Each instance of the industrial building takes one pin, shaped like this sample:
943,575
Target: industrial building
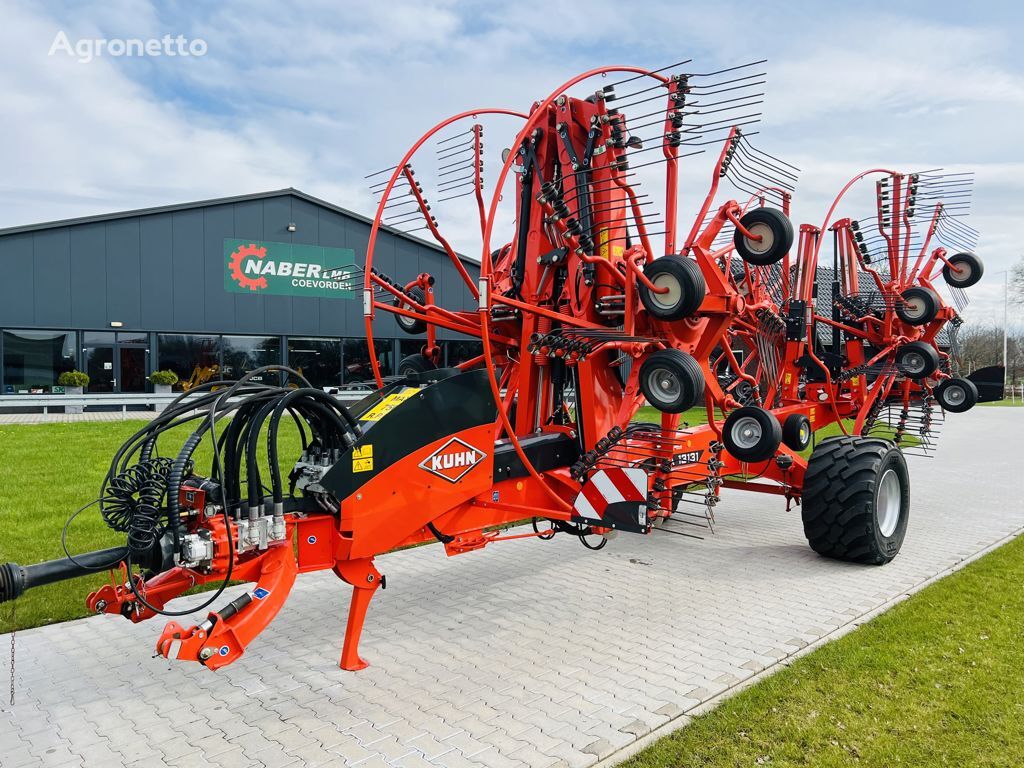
209,290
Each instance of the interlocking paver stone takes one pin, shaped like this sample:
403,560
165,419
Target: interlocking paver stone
471,668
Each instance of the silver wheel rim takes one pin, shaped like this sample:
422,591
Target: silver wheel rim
747,432
670,299
954,395
889,502
962,271
805,433
767,238
664,385
403,320
914,308
913,362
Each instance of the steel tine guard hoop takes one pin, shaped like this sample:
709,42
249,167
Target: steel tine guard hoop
396,174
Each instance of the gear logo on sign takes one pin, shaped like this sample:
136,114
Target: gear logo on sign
453,460
235,264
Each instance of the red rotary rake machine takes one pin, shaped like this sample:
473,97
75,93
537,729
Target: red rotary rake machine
584,314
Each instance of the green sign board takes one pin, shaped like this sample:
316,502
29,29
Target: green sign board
285,269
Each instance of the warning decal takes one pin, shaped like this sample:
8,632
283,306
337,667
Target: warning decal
362,458
388,404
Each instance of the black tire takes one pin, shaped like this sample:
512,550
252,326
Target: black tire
847,508
409,324
957,395
797,432
671,380
686,287
919,306
917,360
752,433
776,231
415,364
968,270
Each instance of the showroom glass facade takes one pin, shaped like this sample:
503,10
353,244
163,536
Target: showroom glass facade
32,360
125,294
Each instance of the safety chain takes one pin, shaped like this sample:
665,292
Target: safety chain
14,631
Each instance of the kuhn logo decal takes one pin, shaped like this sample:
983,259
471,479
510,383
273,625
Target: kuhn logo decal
453,460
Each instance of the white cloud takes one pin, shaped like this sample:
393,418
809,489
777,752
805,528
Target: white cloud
318,95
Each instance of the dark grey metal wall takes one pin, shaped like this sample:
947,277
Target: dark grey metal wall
164,271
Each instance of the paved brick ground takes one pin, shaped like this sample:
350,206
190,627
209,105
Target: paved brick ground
527,653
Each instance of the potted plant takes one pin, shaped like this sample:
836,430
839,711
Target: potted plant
163,381
74,383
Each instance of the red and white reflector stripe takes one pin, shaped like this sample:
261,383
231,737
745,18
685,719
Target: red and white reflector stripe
610,486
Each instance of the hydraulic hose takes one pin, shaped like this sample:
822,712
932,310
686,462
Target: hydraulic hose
252,464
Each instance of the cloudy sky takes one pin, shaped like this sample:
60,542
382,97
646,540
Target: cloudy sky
317,95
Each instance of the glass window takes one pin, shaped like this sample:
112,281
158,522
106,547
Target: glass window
242,354
461,351
196,359
133,337
357,359
319,360
408,347
34,359
97,337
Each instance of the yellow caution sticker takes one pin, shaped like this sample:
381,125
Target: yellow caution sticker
362,458
388,404
604,251
811,416
788,379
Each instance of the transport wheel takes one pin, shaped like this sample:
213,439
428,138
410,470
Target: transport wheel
856,499
415,364
409,324
967,270
797,432
685,284
752,433
776,231
917,360
671,380
957,395
919,306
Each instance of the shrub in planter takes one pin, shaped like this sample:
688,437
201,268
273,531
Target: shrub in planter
163,381
73,380
164,378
